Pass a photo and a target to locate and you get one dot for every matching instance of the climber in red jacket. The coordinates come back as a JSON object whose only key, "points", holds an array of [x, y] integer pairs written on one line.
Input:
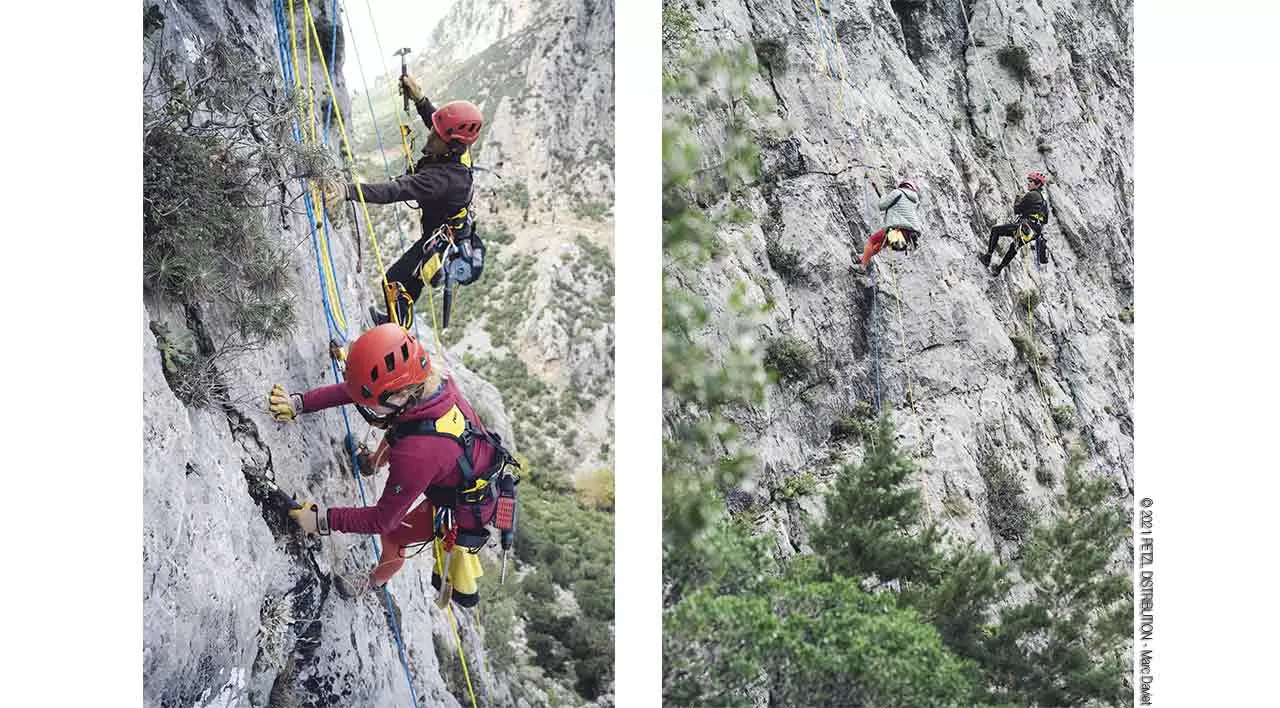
{"points": [[431, 426]]}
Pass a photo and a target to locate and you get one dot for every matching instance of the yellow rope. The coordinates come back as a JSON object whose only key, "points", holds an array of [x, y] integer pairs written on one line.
{"points": [[346, 145], [328, 277], [453, 622], [902, 349]]}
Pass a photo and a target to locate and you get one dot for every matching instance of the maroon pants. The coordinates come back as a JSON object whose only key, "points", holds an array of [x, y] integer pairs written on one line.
{"points": [[416, 527], [874, 244]]}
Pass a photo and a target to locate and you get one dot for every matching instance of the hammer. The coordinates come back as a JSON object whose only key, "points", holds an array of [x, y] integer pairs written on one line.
{"points": [[404, 71]]}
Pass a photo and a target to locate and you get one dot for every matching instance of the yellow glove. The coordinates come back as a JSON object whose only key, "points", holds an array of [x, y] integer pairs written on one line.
{"points": [[311, 518], [283, 406], [411, 87]]}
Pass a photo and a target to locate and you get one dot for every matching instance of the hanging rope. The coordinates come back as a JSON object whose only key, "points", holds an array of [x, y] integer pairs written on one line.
{"points": [[453, 622], [289, 70], [1013, 172], [321, 246]]}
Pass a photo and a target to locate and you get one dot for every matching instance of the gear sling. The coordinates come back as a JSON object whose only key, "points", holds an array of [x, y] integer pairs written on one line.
{"points": [[470, 499]]}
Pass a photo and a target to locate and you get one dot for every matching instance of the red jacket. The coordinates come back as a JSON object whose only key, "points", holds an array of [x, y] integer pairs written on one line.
{"points": [[416, 462]]}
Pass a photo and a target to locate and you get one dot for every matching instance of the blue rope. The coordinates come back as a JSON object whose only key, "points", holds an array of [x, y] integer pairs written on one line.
{"points": [[285, 62]]}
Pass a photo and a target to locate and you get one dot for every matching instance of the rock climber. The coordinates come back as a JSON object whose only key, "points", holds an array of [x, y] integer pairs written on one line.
{"points": [[389, 373], [1032, 212], [901, 221], [441, 184]]}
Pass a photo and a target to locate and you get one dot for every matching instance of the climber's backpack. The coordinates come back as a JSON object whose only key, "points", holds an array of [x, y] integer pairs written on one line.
{"points": [[471, 499]]}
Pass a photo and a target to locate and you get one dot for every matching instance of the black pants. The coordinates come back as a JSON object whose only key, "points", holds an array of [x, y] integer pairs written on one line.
{"points": [[408, 269], [1011, 230]]}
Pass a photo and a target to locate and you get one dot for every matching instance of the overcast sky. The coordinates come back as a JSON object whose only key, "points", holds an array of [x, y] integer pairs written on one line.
{"points": [[400, 23]]}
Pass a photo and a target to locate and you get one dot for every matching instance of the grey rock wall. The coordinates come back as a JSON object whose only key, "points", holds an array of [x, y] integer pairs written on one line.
{"points": [[919, 101]]}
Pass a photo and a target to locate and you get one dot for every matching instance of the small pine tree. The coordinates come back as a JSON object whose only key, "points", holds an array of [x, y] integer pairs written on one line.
{"points": [[1069, 645], [867, 530]]}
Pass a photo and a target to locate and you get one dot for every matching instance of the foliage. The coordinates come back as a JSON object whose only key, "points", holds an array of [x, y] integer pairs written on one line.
{"points": [[202, 237], [1044, 476], [784, 261], [1016, 60], [591, 210], [516, 193], [496, 233], [571, 547], [857, 425], [215, 153], [789, 359], [192, 375], [596, 489], [726, 559], [1069, 645], [871, 653], [1010, 515], [1126, 315], [1029, 300], [698, 457], [1014, 113], [677, 27], [1026, 348], [870, 515], [795, 486], [955, 505], [1064, 417]]}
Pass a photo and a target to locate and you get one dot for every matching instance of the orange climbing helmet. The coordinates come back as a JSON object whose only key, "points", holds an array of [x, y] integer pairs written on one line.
{"points": [[458, 120], [382, 362], [1038, 178]]}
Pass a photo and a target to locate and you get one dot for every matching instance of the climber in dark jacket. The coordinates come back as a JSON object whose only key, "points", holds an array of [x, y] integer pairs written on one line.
{"points": [[441, 184], [1032, 212]]}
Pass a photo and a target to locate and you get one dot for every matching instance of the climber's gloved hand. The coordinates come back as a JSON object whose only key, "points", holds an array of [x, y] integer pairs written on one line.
{"points": [[283, 406], [411, 87], [335, 194], [311, 518]]}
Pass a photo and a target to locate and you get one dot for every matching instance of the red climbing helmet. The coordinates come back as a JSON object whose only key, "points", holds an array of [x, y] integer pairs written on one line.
{"points": [[1039, 178], [383, 361], [908, 185], [458, 120]]}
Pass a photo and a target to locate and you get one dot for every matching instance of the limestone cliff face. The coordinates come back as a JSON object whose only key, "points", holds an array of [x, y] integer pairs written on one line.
{"points": [[238, 611], [921, 98]]}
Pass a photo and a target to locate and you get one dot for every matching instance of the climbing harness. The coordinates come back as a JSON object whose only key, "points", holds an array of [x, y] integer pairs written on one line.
{"points": [[481, 494]]}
